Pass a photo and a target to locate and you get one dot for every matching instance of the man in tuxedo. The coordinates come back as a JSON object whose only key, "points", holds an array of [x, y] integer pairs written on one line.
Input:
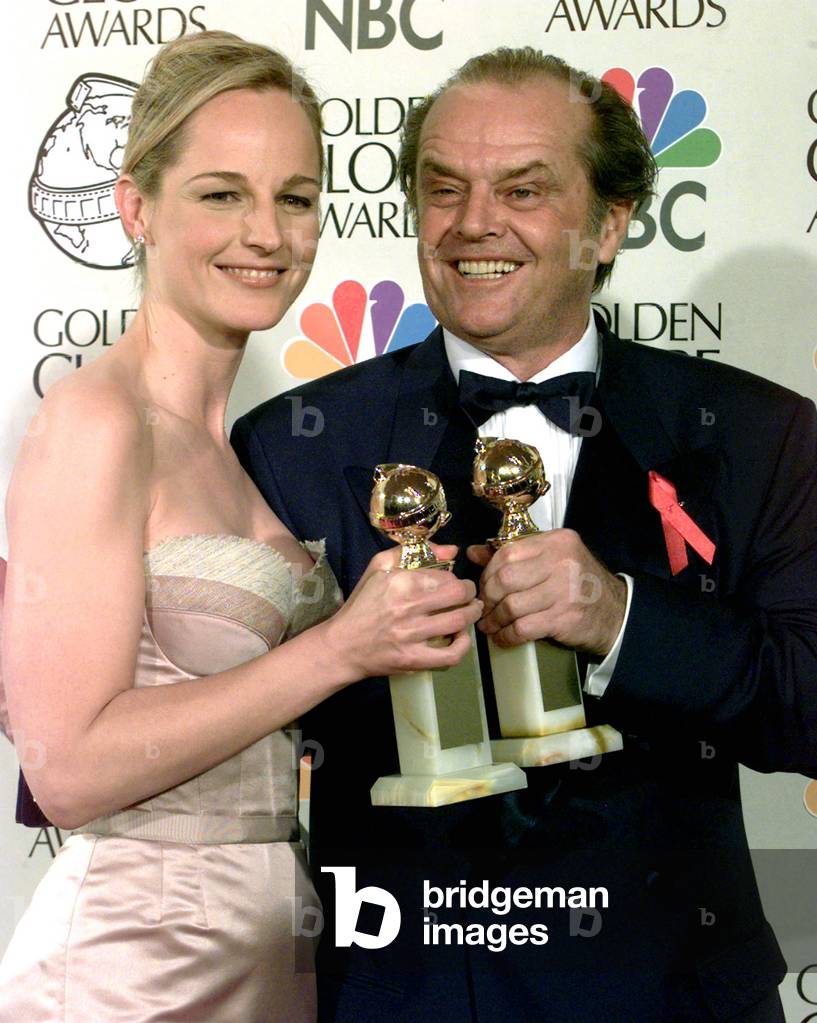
{"points": [[684, 494]]}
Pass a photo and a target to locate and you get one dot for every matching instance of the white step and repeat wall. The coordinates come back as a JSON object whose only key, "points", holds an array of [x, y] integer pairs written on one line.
{"points": [[723, 265]]}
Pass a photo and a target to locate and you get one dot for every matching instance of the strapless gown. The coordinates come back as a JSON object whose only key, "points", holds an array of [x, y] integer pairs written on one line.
{"points": [[194, 906]]}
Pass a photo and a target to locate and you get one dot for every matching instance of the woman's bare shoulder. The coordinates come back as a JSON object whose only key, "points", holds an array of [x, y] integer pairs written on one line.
{"points": [[89, 426], [98, 395]]}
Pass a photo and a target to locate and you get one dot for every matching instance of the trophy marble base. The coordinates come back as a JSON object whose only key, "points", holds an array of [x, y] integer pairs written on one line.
{"points": [[442, 789], [442, 740], [541, 750], [537, 689]]}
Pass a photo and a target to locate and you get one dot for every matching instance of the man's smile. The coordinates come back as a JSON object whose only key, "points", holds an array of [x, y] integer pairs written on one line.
{"points": [[486, 269]]}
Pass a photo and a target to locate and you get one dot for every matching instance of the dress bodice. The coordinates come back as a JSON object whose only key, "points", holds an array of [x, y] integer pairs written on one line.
{"points": [[214, 602]]}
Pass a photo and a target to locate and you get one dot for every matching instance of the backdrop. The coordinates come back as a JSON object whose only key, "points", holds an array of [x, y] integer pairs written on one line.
{"points": [[722, 265]]}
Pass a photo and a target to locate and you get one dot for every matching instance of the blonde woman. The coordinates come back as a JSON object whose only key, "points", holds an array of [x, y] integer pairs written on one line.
{"points": [[182, 627]]}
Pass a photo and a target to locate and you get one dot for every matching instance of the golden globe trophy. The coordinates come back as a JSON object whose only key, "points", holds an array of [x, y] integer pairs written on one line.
{"points": [[537, 687], [439, 716]]}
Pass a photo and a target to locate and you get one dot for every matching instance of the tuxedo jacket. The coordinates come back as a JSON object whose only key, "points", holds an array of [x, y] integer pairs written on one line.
{"points": [[718, 665]]}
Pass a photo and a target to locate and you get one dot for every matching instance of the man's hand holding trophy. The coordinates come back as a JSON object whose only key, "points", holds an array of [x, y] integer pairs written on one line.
{"points": [[444, 749], [536, 683]]}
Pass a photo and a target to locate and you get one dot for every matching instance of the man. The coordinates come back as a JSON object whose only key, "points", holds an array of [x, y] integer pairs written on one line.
{"points": [[523, 174]]}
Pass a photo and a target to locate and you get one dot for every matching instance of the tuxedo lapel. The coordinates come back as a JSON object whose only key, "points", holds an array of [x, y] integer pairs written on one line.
{"points": [[360, 481], [422, 406], [429, 429], [425, 400], [432, 431], [608, 506], [609, 500]]}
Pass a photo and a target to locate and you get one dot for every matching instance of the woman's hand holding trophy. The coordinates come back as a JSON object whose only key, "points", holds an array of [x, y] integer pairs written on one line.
{"points": [[439, 714]]}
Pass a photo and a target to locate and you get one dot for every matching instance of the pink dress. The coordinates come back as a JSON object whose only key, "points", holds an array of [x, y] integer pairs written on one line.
{"points": [[194, 906]]}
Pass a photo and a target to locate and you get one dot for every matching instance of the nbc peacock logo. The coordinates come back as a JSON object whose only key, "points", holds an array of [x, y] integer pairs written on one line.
{"points": [[671, 120], [356, 326]]}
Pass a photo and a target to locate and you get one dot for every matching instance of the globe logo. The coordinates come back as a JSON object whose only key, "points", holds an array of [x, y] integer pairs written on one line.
{"points": [[71, 191]]}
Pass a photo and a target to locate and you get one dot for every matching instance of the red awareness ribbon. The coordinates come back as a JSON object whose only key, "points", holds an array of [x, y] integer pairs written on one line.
{"points": [[679, 528]]}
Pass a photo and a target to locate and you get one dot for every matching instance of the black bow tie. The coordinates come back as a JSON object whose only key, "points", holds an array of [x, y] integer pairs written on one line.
{"points": [[561, 399]]}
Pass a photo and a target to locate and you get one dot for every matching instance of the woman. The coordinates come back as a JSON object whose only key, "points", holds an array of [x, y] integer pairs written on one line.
{"points": [[152, 672], [5, 725]]}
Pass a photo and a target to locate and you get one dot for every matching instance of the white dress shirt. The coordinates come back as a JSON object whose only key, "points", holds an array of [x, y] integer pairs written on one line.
{"points": [[558, 448]]}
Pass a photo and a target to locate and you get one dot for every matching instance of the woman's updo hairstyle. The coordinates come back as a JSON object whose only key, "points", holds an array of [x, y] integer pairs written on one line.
{"points": [[182, 77]]}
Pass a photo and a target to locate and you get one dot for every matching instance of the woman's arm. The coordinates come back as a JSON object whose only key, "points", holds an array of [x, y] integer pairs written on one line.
{"points": [[75, 603], [4, 711]]}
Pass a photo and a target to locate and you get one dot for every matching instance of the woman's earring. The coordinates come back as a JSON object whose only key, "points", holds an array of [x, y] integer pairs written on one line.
{"points": [[138, 241]]}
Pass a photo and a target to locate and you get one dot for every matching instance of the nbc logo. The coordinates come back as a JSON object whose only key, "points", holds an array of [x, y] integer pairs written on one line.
{"points": [[671, 120], [672, 124], [356, 326]]}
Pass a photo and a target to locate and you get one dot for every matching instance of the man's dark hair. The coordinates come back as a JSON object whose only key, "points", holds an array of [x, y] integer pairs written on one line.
{"points": [[615, 153]]}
